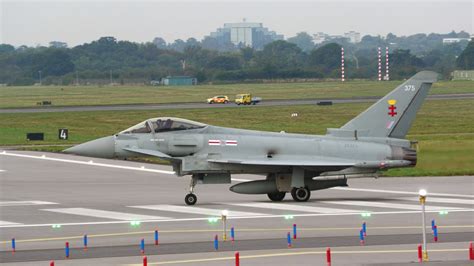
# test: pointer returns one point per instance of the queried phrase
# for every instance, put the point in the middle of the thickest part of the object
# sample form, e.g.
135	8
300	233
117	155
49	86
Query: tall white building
244	33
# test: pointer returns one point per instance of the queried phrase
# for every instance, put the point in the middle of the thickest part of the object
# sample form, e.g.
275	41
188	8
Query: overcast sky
76	22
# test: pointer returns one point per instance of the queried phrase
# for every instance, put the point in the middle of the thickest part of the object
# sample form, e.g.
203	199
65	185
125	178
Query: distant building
454	40
319	37
244	33
354	37
351	36
463	75
57	44
178	81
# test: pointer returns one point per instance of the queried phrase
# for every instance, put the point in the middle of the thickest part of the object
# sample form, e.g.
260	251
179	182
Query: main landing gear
300	194
191	198
276	196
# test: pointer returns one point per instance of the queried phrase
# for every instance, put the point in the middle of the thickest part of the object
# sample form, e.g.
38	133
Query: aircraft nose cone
101	148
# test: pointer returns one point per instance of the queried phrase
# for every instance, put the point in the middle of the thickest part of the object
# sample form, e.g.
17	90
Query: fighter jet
373	141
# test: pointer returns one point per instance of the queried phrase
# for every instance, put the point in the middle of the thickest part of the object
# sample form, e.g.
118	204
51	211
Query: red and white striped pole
387	76
380	63
342	65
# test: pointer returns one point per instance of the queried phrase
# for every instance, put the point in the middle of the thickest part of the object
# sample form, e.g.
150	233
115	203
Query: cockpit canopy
163	124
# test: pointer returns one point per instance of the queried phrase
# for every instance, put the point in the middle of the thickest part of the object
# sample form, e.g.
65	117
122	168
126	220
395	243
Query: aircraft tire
190	199
276	196
301	194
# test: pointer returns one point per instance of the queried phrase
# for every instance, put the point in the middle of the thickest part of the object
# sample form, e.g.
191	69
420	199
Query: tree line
108	59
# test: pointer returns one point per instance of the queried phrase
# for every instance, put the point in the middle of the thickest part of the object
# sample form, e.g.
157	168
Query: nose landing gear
191	198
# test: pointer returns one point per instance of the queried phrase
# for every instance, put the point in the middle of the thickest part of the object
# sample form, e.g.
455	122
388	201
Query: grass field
445	129
90	95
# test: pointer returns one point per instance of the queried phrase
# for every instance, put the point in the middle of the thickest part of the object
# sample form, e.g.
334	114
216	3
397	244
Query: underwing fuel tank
269	186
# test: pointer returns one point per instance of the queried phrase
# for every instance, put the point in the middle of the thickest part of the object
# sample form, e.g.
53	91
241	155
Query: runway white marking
195	210
236	218
442	200
43	157
141	168
24	203
106	214
2	170
294	207
388	205
5	223
402	192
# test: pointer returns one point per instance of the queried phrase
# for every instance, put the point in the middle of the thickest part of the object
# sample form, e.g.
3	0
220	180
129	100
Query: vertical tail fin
393	115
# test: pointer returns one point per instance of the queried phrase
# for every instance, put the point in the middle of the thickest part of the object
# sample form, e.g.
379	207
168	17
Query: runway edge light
135	223
212	220
443	212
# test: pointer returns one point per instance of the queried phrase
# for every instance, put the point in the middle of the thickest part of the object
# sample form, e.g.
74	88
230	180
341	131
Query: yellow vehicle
246	99
218	99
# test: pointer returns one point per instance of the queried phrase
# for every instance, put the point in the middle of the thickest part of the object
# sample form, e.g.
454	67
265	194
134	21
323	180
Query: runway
46	109
47	199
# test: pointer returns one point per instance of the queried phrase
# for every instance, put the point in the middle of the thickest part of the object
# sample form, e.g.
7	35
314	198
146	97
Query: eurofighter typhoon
296	163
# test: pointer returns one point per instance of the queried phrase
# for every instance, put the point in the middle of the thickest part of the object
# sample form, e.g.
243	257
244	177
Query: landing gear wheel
190	199
276	196
301	194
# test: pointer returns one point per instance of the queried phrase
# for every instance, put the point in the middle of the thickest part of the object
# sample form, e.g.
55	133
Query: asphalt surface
45	109
100	198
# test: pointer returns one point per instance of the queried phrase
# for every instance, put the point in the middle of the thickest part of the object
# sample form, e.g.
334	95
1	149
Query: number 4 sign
63	133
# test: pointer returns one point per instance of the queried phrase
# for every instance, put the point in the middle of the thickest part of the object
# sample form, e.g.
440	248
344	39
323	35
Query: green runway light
212	219
288	217
443	212
135	223
366	214
56	226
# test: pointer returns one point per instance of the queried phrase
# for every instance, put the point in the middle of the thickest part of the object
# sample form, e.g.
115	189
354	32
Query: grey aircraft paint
297	163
